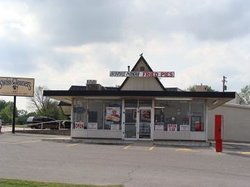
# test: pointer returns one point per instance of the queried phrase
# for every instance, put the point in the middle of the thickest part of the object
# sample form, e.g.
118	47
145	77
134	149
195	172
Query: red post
218	132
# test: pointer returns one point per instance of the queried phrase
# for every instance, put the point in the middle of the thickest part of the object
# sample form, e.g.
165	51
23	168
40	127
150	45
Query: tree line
43	106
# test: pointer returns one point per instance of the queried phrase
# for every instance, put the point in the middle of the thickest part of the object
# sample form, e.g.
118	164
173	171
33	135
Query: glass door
130	123
144	123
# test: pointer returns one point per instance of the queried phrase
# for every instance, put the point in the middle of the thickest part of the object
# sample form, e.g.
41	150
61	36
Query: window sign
92	126
159	127
172	127
113	115
79	125
145	115
184	128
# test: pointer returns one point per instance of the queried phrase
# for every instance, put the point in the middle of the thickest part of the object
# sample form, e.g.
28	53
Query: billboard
14	86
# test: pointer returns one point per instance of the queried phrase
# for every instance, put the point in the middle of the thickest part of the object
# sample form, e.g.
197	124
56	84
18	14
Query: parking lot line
127	147
72	145
245	153
185	150
151	148
24	142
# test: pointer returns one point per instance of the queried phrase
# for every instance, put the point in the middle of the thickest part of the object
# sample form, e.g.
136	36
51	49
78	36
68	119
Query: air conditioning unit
91	82
92	85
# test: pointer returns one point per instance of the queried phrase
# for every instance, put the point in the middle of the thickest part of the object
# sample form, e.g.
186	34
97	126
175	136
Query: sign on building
13	86
142	74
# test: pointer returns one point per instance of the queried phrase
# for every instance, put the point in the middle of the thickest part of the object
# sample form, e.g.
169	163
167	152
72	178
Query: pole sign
13	86
142	74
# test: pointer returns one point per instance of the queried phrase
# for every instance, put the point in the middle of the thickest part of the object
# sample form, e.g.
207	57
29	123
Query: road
29	157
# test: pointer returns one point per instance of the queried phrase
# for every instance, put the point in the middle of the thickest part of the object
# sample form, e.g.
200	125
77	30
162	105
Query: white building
140	109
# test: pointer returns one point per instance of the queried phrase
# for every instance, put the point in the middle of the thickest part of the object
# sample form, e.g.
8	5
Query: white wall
236	122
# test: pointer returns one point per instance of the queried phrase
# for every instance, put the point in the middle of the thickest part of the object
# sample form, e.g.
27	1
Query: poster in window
113	115
79	125
184	128
172	127
92	126
145	115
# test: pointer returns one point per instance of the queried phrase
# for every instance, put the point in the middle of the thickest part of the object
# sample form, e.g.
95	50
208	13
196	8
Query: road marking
245	153
151	148
185	150
72	145
127	147
24	142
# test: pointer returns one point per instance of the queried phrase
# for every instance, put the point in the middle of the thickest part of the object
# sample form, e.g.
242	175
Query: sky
62	43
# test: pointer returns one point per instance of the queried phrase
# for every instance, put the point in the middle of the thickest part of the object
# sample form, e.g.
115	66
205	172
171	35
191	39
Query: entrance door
130	124
144	123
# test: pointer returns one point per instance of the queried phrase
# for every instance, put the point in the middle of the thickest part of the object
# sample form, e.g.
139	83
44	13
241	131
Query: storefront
140	109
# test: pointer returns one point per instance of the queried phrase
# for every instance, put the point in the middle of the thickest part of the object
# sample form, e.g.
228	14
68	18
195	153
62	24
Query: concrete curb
138	143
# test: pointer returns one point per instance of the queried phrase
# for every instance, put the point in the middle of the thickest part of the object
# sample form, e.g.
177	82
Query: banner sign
172	127
79	125
142	74
13	86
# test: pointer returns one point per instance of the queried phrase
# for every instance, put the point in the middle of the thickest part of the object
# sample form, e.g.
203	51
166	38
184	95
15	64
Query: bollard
218	132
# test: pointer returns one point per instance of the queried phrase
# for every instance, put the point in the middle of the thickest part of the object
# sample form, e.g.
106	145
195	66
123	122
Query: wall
236	122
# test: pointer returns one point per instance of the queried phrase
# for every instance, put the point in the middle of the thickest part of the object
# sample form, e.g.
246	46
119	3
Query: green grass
25	183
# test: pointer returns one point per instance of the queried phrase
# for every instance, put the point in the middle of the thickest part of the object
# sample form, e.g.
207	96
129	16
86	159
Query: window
131	103
179	115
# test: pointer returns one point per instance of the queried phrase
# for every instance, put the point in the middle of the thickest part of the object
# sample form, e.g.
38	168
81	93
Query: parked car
66	124
42	122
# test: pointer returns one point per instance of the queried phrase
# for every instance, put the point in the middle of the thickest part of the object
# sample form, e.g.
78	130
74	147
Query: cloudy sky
62	43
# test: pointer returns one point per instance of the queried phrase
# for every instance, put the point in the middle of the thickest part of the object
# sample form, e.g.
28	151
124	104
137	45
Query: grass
26	183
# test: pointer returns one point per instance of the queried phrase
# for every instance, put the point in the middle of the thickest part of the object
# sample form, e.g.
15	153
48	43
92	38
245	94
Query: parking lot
27	156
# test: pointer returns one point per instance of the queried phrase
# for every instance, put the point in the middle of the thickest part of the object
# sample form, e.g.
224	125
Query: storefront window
79	114
179	116
95	114
197	116
131	103
145	103
112	113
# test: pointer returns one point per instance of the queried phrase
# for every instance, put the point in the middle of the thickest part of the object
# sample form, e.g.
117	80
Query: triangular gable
139	83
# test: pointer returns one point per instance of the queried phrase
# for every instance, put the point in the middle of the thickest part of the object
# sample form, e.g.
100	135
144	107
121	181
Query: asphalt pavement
27	156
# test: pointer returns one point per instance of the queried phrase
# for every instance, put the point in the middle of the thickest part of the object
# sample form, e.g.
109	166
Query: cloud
76	22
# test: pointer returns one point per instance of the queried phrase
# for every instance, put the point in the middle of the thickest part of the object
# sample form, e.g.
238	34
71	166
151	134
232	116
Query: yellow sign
14	86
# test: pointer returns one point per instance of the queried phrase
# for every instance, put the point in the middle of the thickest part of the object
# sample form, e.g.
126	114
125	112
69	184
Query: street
32	157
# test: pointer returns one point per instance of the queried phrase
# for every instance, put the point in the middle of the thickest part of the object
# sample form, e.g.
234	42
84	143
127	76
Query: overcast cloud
61	42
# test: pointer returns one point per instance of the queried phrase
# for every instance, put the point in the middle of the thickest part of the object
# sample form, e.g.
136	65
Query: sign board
79	125
142	74
13	86
159	127
184	127
92	126
172	127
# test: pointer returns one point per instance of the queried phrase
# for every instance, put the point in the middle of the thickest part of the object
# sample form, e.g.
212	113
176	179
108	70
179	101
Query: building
140	109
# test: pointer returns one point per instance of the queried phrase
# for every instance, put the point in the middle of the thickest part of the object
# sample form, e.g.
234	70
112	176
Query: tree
193	88
6	112
45	106
245	94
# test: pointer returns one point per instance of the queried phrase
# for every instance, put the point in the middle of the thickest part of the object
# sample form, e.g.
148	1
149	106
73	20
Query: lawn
25	183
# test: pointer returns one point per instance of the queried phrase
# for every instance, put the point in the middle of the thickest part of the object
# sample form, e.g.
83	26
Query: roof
150	69
117	92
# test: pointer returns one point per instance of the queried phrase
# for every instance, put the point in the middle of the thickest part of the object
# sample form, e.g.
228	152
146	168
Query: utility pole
224	83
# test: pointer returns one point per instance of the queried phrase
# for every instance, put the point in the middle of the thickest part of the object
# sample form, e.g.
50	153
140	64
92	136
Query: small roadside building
140	109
